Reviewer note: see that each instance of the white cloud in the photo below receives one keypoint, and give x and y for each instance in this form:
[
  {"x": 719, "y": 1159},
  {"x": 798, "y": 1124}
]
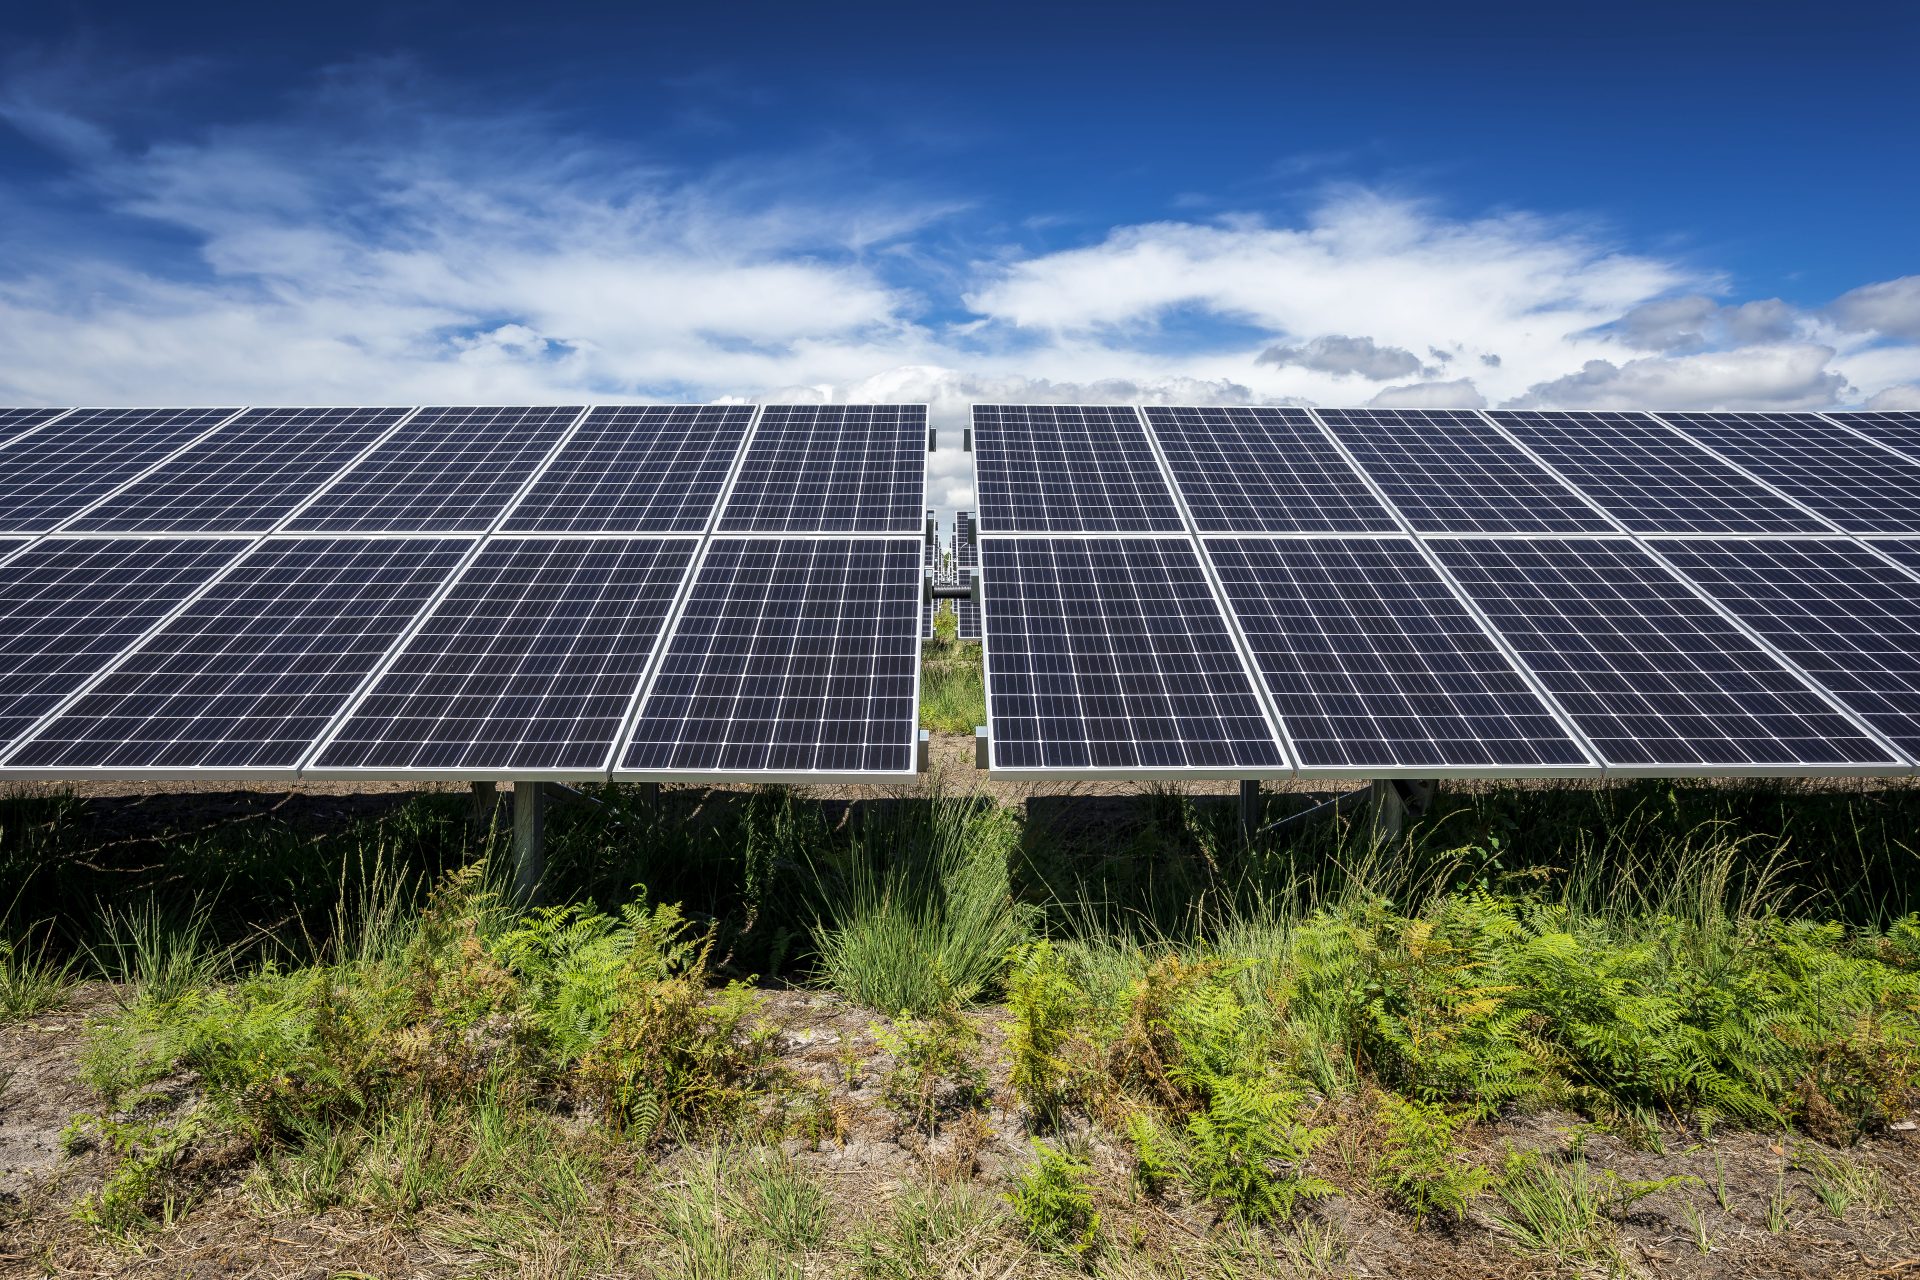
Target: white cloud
[
  {"x": 1791, "y": 376},
  {"x": 1667, "y": 324},
  {"x": 1891, "y": 307},
  {"x": 1907, "y": 397},
  {"x": 1457, "y": 394}
]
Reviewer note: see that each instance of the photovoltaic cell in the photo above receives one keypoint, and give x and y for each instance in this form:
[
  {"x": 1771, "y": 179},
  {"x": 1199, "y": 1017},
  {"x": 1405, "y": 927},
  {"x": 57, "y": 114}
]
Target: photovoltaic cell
[
  {"x": 449, "y": 470},
  {"x": 1111, "y": 654},
  {"x": 847, "y": 468},
  {"x": 530, "y": 662},
  {"x": 636, "y": 469},
  {"x": 1650, "y": 479},
  {"x": 1651, "y": 673},
  {"x": 1449, "y": 472},
  {"x": 14, "y": 422},
  {"x": 1906, "y": 552},
  {"x": 1861, "y": 487},
  {"x": 1264, "y": 471},
  {"x": 1834, "y": 608},
  {"x": 966, "y": 617},
  {"x": 1068, "y": 469},
  {"x": 246, "y": 477},
  {"x": 1374, "y": 663},
  {"x": 55, "y": 472},
  {"x": 68, "y": 605},
  {"x": 791, "y": 656},
  {"x": 253, "y": 671},
  {"x": 1897, "y": 429}
]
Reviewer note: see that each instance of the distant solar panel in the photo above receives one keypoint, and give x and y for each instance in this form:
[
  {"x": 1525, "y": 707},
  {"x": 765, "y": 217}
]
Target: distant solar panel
[
  {"x": 449, "y": 470},
  {"x": 848, "y": 468},
  {"x": 1264, "y": 471},
  {"x": 1861, "y": 487},
  {"x": 966, "y": 617},
  {"x": 1068, "y": 469},
  {"x": 1449, "y": 472},
  {"x": 1896, "y": 429},
  {"x": 1652, "y": 480},
  {"x": 1374, "y": 664},
  {"x": 1834, "y": 608},
  {"x": 246, "y": 477},
  {"x": 69, "y": 605},
  {"x": 636, "y": 469},
  {"x": 1111, "y": 654},
  {"x": 251, "y": 673},
  {"x": 53, "y": 473},
  {"x": 966, "y": 540},
  {"x": 529, "y": 664},
  {"x": 793, "y": 658},
  {"x": 927, "y": 616},
  {"x": 1656, "y": 679},
  {"x": 14, "y": 422}
]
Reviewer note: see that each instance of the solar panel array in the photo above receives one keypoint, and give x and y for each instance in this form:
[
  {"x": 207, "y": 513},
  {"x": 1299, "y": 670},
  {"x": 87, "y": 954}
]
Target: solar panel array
[
  {"x": 462, "y": 592},
  {"x": 1450, "y": 592}
]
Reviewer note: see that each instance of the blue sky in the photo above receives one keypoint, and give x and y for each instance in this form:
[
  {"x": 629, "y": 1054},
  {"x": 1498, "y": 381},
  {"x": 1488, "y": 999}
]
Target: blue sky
[{"x": 1662, "y": 205}]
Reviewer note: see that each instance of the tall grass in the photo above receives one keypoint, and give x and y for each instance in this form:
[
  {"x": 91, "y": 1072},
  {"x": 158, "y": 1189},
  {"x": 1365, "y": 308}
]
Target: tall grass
[{"x": 953, "y": 696}]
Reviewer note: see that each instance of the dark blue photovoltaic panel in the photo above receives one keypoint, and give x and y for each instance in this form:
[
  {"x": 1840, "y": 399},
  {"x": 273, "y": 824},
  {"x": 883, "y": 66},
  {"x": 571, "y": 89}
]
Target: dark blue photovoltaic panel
[
  {"x": 1111, "y": 654},
  {"x": 844, "y": 468},
  {"x": 1068, "y": 469},
  {"x": 1652, "y": 674},
  {"x": 1861, "y": 487},
  {"x": 636, "y": 469},
  {"x": 16, "y": 422},
  {"x": 1264, "y": 471},
  {"x": 1448, "y": 471},
  {"x": 1842, "y": 614},
  {"x": 449, "y": 470},
  {"x": 246, "y": 477},
  {"x": 1894, "y": 428},
  {"x": 966, "y": 555},
  {"x": 250, "y": 674},
  {"x": 791, "y": 656},
  {"x": 1905, "y": 551},
  {"x": 57, "y": 471},
  {"x": 1652, "y": 480},
  {"x": 68, "y": 605},
  {"x": 530, "y": 662},
  {"x": 1374, "y": 663}
]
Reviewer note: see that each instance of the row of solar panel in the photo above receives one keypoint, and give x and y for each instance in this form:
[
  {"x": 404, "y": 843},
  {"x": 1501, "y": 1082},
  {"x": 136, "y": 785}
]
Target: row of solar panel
[
  {"x": 499, "y": 642},
  {"x": 1416, "y": 614},
  {"x": 953, "y": 561},
  {"x": 1090, "y": 469},
  {"x": 449, "y": 471}
]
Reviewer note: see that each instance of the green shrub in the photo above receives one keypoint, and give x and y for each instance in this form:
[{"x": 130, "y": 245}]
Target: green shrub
[
  {"x": 1421, "y": 1165},
  {"x": 1249, "y": 1150},
  {"x": 1047, "y": 1009},
  {"x": 1054, "y": 1203}
]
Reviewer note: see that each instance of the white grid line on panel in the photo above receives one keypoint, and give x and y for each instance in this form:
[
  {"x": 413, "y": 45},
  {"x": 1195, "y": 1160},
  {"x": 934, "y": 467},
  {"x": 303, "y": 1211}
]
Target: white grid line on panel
[
  {"x": 1277, "y": 474},
  {"x": 1854, "y": 483},
  {"x": 1068, "y": 469},
  {"x": 82, "y": 457}
]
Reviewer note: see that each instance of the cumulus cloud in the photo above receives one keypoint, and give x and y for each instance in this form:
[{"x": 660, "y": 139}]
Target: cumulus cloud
[
  {"x": 1907, "y": 397},
  {"x": 1891, "y": 307},
  {"x": 1763, "y": 320},
  {"x": 1667, "y": 324},
  {"x": 1338, "y": 354},
  {"x": 1460, "y": 393},
  {"x": 1792, "y": 376}
]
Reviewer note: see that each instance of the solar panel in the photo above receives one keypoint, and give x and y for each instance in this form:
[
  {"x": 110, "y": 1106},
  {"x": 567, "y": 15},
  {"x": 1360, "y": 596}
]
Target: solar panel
[
  {"x": 848, "y": 468},
  {"x": 1657, "y": 679},
  {"x": 68, "y": 605},
  {"x": 927, "y": 616},
  {"x": 246, "y": 477},
  {"x": 1861, "y": 487},
  {"x": 529, "y": 664},
  {"x": 1264, "y": 471},
  {"x": 966, "y": 540},
  {"x": 792, "y": 658},
  {"x": 449, "y": 470},
  {"x": 53, "y": 473},
  {"x": 636, "y": 469},
  {"x": 1907, "y": 553},
  {"x": 1650, "y": 479},
  {"x": 253, "y": 671},
  {"x": 1068, "y": 469},
  {"x": 1834, "y": 608},
  {"x": 1111, "y": 654},
  {"x": 1448, "y": 471},
  {"x": 1374, "y": 664},
  {"x": 1895, "y": 429},
  {"x": 966, "y": 616},
  {"x": 15, "y": 422}
]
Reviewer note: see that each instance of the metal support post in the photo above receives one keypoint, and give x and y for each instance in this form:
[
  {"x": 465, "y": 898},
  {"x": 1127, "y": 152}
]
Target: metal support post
[
  {"x": 529, "y": 839},
  {"x": 1249, "y": 810},
  {"x": 650, "y": 793},
  {"x": 485, "y": 810},
  {"x": 1395, "y": 800}
]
